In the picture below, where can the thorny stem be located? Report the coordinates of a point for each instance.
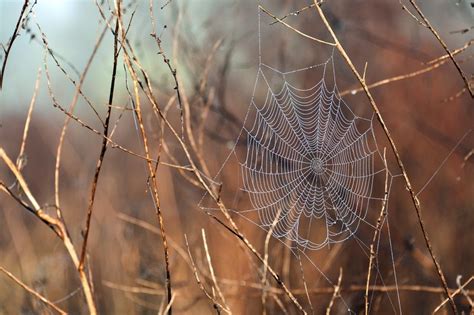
(415, 200)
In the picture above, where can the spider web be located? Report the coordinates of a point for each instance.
(310, 169)
(308, 159)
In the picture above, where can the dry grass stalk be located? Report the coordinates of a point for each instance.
(217, 306)
(337, 290)
(33, 292)
(211, 270)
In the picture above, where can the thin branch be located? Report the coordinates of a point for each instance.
(297, 12)
(377, 230)
(168, 306)
(294, 29)
(102, 150)
(265, 259)
(20, 160)
(415, 200)
(465, 293)
(459, 290)
(211, 270)
(216, 304)
(451, 56)
(133, 289)
(337, 290)
(20, 179)
(413, 16)
(277, 278)
(234, 228)
(305, 284)
(72, 105)
(10, 44)
(152, 174)
(433, 64)
(350, 288)
(168, 64)
(32, 291)
(55, 224)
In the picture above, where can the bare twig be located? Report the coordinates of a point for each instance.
(415, 200)
(459, 290)
(265, 259)
(277, 278)
(168, 306)
(294, 29)
(148, 90)
(102, 150)
(134, 289)
(72, 105)
(433, 64)
(211, 270)
(168, 64)
(413, 16)
(454, 52)
(20, 160)
(55, 224)
(297, 12)
(152, 174)
(216, 304)
(337, 289)
(451, 56)
(377, 230)
(350, 288)
(464, 292)
(10, 44)
(32, 291)
(305, 284)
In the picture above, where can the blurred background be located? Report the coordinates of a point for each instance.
(213, 45)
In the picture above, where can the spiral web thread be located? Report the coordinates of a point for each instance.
(311, 163)
(307, 158)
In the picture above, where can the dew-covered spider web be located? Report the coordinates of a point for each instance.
(311, 173)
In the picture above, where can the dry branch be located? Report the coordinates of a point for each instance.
(415, 200)
(102, 150)
(32, 291)
(152, 181)
(451, 56)
(12, 40)
(57, 225)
